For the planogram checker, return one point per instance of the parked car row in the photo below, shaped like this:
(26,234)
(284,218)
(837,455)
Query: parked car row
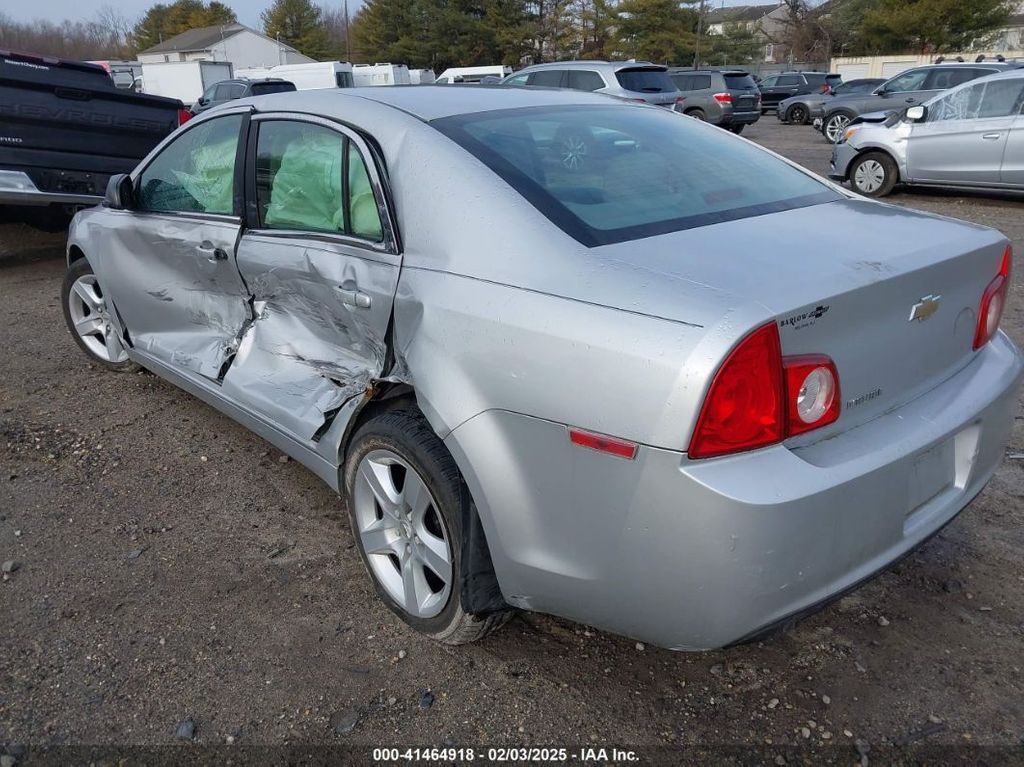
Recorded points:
(971,137)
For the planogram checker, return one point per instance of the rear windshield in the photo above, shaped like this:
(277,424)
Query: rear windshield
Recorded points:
(606,174)
(739,81)
(645,80)
(260,89)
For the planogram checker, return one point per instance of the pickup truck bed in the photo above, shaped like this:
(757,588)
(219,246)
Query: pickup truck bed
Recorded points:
(65,129)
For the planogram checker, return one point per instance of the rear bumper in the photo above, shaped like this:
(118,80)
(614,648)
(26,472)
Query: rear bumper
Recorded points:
(741,118)
(16,188)
(701,554)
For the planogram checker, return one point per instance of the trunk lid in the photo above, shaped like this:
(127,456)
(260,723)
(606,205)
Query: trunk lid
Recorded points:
(891,295)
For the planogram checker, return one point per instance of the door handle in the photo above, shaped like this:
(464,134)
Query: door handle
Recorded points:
(356,298)
(991,136)
(212,253)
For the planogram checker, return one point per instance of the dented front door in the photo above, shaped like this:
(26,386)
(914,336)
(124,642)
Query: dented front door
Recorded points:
(320,260)
(172,271)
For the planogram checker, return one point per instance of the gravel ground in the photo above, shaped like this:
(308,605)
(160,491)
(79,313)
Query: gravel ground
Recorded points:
(172,569)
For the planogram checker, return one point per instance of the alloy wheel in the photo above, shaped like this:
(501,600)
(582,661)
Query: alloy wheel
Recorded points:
(91,320)
(574,152)
(869,176)
(798,115)
(402,533)
(835,127)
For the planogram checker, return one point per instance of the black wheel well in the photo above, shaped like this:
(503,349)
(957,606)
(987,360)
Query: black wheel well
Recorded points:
(480,594)
(75,254)
(879,151)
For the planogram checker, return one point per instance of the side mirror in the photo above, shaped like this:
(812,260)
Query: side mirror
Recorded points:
(203,100)
(917,114)
(120,193)
(880,91)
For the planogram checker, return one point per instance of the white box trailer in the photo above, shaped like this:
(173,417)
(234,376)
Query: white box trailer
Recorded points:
(185,80)
(472,74)
(317,74)
(380,74)
(421,76)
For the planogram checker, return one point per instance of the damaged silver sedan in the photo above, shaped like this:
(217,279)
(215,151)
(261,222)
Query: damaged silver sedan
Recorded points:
(562,354)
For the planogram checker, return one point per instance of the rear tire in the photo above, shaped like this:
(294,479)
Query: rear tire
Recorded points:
(698,114)
(874,174)
(407,502)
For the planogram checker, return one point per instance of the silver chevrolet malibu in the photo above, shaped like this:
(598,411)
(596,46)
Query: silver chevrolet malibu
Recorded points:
(560,353)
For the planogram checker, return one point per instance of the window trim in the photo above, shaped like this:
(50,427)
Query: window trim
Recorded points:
(235,216)
(389,242)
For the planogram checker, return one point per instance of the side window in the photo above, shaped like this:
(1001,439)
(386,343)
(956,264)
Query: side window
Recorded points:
(770,82)
(196,172)
(701,82)
(998,98)
(518,81)
(547,78)
(682,82)
(208,94)
(300,173)
(908,81)
(786,81)
(585,80)
(364,217)
(222,92)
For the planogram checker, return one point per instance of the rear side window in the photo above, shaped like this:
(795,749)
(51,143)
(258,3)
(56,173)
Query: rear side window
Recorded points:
(641,172)
(260,89)
(195,173)
(585,80)
(941,79)
(785,80)
(814,78)
(682,81)
(645,80)
(739,81)
(546,78)
(311,178)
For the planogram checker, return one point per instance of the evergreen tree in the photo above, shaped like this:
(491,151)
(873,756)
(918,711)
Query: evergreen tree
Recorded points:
(298,23)
(164,21)
(657,30)
(928,26)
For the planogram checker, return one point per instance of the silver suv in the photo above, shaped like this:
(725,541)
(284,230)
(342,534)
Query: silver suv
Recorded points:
(628,80)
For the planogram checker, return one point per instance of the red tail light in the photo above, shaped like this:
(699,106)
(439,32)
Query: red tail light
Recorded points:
(758,397)
(990,311)
(183,116)
(743,409)
(723,98)
(680,99)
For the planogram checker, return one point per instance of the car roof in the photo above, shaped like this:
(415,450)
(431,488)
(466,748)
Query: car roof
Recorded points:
(591,64)
(427,102)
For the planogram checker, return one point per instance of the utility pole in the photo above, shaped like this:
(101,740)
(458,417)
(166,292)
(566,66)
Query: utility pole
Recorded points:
(348,42)
(700,32)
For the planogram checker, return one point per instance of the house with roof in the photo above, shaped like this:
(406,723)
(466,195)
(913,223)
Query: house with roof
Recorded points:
(766,22)
(243,46)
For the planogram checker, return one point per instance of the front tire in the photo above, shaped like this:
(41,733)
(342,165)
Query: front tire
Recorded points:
(835,125)
(87,314)
(874,174)
(797,115)
(407,503)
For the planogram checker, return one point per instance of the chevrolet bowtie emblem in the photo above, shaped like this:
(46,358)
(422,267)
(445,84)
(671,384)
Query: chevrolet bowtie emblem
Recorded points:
(924,308)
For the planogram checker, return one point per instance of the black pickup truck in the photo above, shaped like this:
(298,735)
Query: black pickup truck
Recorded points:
(65,129)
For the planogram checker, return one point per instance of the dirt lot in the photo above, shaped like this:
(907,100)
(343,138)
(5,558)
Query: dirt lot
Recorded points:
(172,568)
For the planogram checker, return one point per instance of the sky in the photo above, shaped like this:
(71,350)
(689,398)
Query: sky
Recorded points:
(248,11)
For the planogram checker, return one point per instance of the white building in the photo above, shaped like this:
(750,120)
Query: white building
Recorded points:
(244,47)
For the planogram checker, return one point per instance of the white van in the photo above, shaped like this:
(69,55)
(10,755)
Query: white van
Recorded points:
(318,74)
(421,76)
(380,74)
(472,74)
